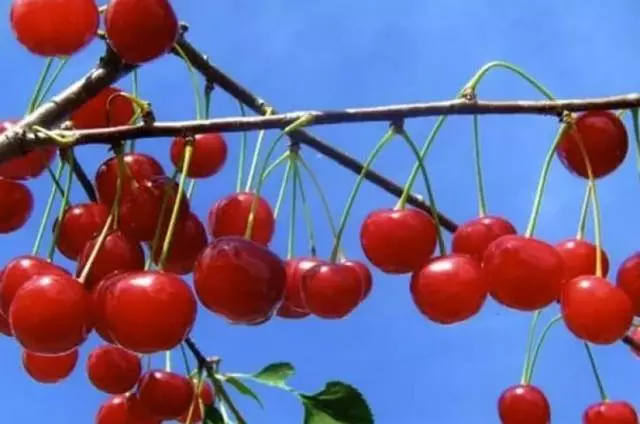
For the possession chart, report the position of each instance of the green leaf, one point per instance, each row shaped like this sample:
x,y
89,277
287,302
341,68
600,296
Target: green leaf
x,y
212,415
243,388
275,374
337,403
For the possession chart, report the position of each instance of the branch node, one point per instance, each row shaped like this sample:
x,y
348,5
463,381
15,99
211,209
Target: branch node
x,y
294,147
397,125
184,28
469,94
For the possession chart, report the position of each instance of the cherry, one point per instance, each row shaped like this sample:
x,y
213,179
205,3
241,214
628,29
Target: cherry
x,y
523,273
524,404
140,30
124,409
30,165
49,369
365,276
595,310
229,216
239,279
149,311
51,314
165,394
16,205
209,154
285,310
79,224
473,237
604,139
449,289
47,29
117,253
398,241
109,108
332,290
203,397
98,296
189,239
295,268
112,369
5,328
610,412
628,279
580,258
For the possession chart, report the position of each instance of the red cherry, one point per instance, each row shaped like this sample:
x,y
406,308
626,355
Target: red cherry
x,y
112,369
580,258
365,276
332,290
473,237
295,268
124,409
604,139
99,295
109,108
610,412
523,273
285,310
228,217
5,328
49,369
209,154
47,29
595,310
140,30
149,311
628,279
398,241
524,404
165,394
449,289
79,224
16,205
117,253
189,239
203,397
239,279
30,165
51,314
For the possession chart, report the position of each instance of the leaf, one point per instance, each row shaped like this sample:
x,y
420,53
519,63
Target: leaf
x,y
275,374
243,388
212,415
337,403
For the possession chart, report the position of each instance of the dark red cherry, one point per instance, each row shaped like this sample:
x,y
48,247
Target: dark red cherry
x,y
365,276
209,154
16,205
112,369
285,310
295,268
109,108
29,165
201,398
189,239
165,394
398,241
524,404
124,409
580,258
473,237
523,273
99,294
49,369
449,289
332,290
79,224
229,216
5,328
239,279
628,279
610,412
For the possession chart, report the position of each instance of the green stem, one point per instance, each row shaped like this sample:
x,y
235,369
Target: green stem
x,y
297,179
596,374
482,72
56,74
155,242
536,353
283,185
39,85
482,202
243,152
291,238
47,210
584,209
194,82
276,163
323,198
56,180
185,359
530,343
256,155
167,360
63,208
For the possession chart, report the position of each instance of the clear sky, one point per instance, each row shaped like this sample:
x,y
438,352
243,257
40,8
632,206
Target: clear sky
x,y
336,54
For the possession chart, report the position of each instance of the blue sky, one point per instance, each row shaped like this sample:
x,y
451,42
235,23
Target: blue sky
x,y
336,54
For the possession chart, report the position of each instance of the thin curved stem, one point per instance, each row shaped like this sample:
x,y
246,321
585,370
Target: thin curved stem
x,y
243,152
482,201
473,84
39,85
47,89
313,252
534,358
323,198
584,210
596,374
283,185
47,210
530,344
291,238
63,208
256,155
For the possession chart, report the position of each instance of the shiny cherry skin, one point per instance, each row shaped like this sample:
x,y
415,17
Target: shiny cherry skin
x,y
610,412
604,139
208,158
229,216
398,241
449,289
524,404
473,237
79,225
365,276
140,30
112,369
189,239
124,409
580,258
628,279
165,394
51,314
29,165
332,290
203,397
523,273
99,294
5,328
239,280
295,268
49,369
16,205
149,311
47,29
285,310
109,108
595,310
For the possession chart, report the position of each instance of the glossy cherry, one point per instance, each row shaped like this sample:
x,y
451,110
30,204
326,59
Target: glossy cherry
x,y
365,276
140,30
49,369
201,398
595,310
209,154
332,290
604,139
165,394
189,239
16,205
285,310
523,273
99,294
449,289
112,369
124,409
295,268
628,279
398,241
239,279
473,237
580,258
47,29
229,216
79,224
524,404
109,108
5,328
610,412
29,165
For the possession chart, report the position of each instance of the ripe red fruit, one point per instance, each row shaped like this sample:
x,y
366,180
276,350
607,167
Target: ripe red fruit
x,y
295,268
239,279
16,205
365,276
604,139
285,310
79,224
229,215
99,295
112,369
47,29
49,369
149,311
398,241
523,273
124,409
189,239
580,258
201,398
51,314
332,290
30,165
5,328
449,289
209,155
109,108
473,237
165,394
595,310
524,404
140,30
610,412
628,279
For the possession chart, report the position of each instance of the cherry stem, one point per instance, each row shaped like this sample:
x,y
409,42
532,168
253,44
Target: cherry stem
x,y
163,210
62,210
47,210
47,89
291,238
285,180
584,210
243,151
297,179
532,363
475,81
482,201
55,180
256,155
194,81
530,344
39,85
135,90
596,374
